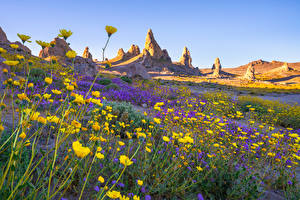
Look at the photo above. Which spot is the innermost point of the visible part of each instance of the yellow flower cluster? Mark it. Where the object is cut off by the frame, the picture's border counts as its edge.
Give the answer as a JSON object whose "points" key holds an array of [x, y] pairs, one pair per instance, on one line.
{"points": [[79, 150]]}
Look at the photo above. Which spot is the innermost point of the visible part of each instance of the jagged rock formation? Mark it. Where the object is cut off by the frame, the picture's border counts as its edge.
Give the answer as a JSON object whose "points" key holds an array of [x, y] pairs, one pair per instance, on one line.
{"points": [[250, 73], [155, 59], [133, 51], [121, 53], [216, 68], [186, 58], [60, 49], [133, 70], [5, 43], [154, 49], [87, 54]]}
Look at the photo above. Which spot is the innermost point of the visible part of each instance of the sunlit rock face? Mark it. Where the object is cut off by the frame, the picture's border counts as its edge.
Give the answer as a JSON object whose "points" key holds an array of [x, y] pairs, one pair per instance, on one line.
{"points": [[250, 73], [186, 58], [216, 68], [121, 53], [87, 54], [154, 49]]}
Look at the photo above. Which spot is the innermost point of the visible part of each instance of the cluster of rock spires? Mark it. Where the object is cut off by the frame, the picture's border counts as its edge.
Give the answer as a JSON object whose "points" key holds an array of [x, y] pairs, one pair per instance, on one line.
{"points": [[132, 52], [186, 58], [152, 59], [157, 60]]}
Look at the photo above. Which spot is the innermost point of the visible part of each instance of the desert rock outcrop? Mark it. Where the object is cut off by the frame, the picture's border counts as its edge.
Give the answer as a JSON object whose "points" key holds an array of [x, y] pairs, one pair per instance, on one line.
{"points": [[154, 49], [186, 58], [216, 68], [285, 67], [87, 54], [5, 43], [133, 51], [250, 73], [121, 53], [60, 49], [3, 37]]}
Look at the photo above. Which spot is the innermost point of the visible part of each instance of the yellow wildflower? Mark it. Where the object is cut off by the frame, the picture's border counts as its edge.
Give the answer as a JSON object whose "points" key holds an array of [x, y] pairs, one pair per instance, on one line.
{"points": [[110, 30], [99, 155], [71, 54], [125, 160], [10, 62], [113, 194], [48, 80], [79, 150], [96, 93], [166, 139], [101, 179], [57, 92], [140, 182], [22, 135], [14, 46]]}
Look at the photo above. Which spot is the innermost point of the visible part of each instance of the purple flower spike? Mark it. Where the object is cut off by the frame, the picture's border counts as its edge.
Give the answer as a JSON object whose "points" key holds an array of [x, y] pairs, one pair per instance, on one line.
{"points": [[96, 188], [147, 197], [200, 197]]}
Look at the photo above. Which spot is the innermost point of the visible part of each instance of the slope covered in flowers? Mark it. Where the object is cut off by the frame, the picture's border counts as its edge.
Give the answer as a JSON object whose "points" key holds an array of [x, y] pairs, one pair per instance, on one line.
{"points": [[78, 137]]}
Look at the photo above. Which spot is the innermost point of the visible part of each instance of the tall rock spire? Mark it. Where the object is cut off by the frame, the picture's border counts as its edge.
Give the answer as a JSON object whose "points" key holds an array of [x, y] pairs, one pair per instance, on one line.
{"points": [[250, 73], [152, 47], [216, 68], [87, 54], [186, 58]]}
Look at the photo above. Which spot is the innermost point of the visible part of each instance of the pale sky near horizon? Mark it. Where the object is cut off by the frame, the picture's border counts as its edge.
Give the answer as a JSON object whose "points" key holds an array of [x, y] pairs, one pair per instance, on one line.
{"points": [[236, 31]]}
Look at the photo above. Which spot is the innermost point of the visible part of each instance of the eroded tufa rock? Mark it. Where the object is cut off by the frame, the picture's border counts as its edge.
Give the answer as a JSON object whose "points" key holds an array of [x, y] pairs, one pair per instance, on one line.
{"points": [[154, 49], [60, 49], [216, 68], [121, 53], [250, 73], [186, 58], [87, 54], [133, 51]]}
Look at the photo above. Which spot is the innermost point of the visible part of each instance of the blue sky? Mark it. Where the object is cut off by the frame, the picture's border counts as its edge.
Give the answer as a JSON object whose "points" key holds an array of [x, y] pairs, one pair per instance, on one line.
{"points": [[236, 31]]}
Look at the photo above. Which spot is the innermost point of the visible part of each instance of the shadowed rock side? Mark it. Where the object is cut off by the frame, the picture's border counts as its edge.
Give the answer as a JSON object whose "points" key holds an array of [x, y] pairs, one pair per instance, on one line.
{"points": [[5, 43], [133, 70], [3, 37], [87, 54]]}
